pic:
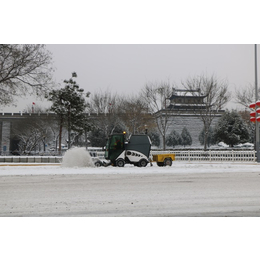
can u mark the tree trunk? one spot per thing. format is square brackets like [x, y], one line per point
[60, 134]
[164, 142]
[69, 128]
[205, 138]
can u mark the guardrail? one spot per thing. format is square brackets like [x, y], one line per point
[30, 159]
[211, 155]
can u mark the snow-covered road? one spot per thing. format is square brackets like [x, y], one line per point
[185, 189]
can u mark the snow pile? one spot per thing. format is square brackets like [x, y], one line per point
[77, 157]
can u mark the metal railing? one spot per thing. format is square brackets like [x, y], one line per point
[180, 155]
[30, 159]
[211, 155]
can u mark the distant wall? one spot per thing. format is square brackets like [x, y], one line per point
[5, 137]
[6, 121]
[192, 123]
[180, 118]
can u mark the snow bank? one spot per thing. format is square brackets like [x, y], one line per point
[77, 157]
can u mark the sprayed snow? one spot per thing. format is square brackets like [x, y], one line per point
[77, 157]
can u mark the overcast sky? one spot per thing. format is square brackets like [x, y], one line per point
[126, 68]
[119, 62]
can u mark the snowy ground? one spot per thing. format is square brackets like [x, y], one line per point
[185, 189]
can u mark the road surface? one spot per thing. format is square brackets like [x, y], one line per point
[131, 195]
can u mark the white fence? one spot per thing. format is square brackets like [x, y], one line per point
[196, 155]
[30, 159]
[211, 156]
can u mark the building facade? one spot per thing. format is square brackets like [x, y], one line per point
[184, 109]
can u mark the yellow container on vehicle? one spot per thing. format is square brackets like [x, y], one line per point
[164, 159]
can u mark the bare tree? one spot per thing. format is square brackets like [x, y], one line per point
[24, 68]
[156, 95]
[215, 95]
[245, 96]
[106, 107]
[134, 112]
[103, 102]
[112, 113]
[32, 133]
[29, 140]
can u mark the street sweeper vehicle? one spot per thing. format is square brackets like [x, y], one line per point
[136, 151]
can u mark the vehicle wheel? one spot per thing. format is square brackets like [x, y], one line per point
[167, 162]
[142, 163]
[120, 163]
[160, 164]
[98, 164]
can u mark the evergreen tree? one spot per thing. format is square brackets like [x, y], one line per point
[231, 129]
[186, 137]
[69, 104]
[173, 139]
[97, 138]
[155, 138]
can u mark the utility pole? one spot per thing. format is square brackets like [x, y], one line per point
[256, 99]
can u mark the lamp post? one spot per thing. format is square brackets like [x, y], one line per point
[256, 98]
